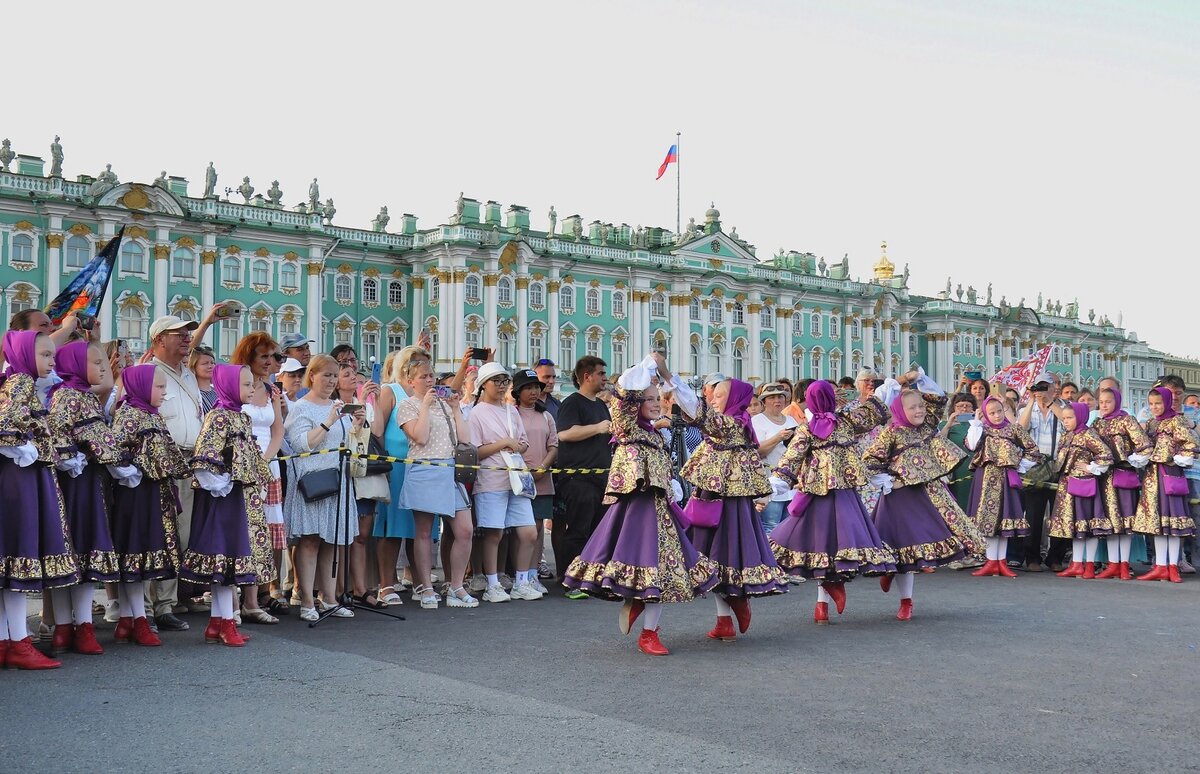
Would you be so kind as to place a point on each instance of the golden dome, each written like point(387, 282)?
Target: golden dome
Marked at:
point(884, 269)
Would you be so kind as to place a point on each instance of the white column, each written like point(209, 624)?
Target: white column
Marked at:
point(315, 307)
point(489, 312)
point(523, 322)
point(53, 264)
point(847, 346)
point(886, 332)
point(1125, 370)
point(905, 351)
point(554, 333)
point(635, 324)
point(705, 366)
point(208, 278)
point(458, 316)
point(727, 359)
point(679, 333)
point(989, 352)
point(107, 322)
point(755, 365)
point(162, 268)
point(868, 329)
point(644, 311)
point(418, 306)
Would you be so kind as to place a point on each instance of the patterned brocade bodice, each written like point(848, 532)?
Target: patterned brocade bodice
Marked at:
point(1124, 436)
point(1171, 437)
point(817, 466)
point(23, 420)
point(76, 416)
point(1079, 449)
point(226, 445)
point(914, 455)
point(640, 459)
point(727, 461)
point(1005, 447)
point(143, 440)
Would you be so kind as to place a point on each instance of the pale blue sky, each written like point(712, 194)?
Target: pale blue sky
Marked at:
point(1042, 146)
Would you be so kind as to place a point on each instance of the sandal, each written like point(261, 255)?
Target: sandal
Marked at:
point(368, 600)
point(388, 596)
point(279, 605)
point(258, 616)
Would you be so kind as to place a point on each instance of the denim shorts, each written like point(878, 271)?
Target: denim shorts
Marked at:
point(499, 510)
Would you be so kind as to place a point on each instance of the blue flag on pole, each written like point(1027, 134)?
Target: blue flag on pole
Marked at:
point(85, 293)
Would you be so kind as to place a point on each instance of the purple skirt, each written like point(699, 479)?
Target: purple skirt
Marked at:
point(1090, 517)
point(1176, 518)
point(87, 515)
point(997, 512)
point(910, 524)
point(35, 541)
point(144, 530)
point(833, 537)
point(746, 567)
point(639, 551)
point(219, 546)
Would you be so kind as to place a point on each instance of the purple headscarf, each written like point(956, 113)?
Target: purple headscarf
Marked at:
point(821, 400)
point(70, 363)
point(1082, 413)
point(138, 382)
point(20, 352)
point(740, 395)
point(1116, 412)
point(227, 381)
point(899, 418)
point(1168, 399)
point(988, 422)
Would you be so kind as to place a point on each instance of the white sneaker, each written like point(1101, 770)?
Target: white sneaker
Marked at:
point(525, 591)
point(112, 611)
point(1186, 568)
point(466, 600)
point(537, 584)
point(496, 593)
point(478, 583)
point(506, 581)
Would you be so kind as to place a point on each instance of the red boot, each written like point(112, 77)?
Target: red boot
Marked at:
point(821, 614)
point(1074, 570)
point(1003, 570)
point(836, 592)
point(905, 613)
point(1126, 573)
point(212, 633)
point(85, 641)
point(22, 655)
point(1158, 573)
point(1113, 570)
point(885, 582)
point(1089, 571)
point(741, 609)
point(230, 635)
point(723, 630)
point(629, 613)
point(64, 635)
point(649, 643)
point(124, 630)
point(142, 634)
point(988, 569)
point(1173, 574)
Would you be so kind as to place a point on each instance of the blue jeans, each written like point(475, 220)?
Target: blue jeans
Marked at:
point(775, 512)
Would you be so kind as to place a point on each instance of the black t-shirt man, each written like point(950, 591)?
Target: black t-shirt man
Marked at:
point(594, 452)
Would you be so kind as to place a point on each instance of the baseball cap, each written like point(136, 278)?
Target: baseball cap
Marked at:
point(486, 372)
point(522, 378)
point(170, 322)
point(1044, 376)
point(290, 365)
point(294, 340)
point(774, 388)
point(715, 378)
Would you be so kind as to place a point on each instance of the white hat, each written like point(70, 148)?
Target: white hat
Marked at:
point(1044, 376)
point(289, 365)
point(168, 323)
point(488, 371)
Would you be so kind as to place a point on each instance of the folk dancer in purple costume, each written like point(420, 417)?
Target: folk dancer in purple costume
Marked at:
point(639, 552)
point(1121, 485)
point(1078, 512)
point(1003, 451)
point(1163, 509)
point(916, 515)
point(828, 534)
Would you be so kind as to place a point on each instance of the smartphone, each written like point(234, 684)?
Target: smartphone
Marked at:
point(964, 419)
point(443, 391)
point(479, 353)
point(350, 408)
point(377, 373)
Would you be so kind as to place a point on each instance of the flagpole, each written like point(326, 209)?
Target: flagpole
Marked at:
point(678, 157)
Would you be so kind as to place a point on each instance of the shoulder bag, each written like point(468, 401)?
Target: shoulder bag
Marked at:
point(466, 456)
point(322, 484)
point(520, 480)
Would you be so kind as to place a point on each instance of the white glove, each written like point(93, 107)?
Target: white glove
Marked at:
point(779, 487)
point(887, 392)
point(676, 491)
point(974, 434)
point(1184, 461)
point(218, 484)
point(883, 482)
point(1096, 469)
point(24, 455)
point(126, 475)
point(1138, 460)
point(73, 466)
point(927, 385)
point(1024, 466)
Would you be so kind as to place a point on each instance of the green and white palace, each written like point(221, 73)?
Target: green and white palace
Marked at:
point(483, 275)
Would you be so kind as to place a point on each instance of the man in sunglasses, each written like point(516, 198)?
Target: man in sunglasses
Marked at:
point(547, 374)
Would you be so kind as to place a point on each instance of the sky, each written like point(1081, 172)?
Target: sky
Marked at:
point(1046, 147)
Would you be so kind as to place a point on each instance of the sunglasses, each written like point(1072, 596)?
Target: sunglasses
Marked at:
point(277, 357)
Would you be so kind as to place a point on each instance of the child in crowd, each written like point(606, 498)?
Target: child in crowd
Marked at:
point(1163, 509)
point(1121, 485)
point(1078, 512)
point(1003, 451)
point(639, 551)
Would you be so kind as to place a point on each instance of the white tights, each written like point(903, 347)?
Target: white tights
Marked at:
point(651, 615)
point(997, 548)
point(131, 600)
point(904, 584)
point(222, 604)
point(1167, 549)
point(823, 595)
point(1084, 549)
point(73, 604)
point(15, 609)
point(1119, 547)
point(723, 607)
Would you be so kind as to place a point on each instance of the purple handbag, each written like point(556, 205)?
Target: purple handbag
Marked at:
point(1081, 487)
point(1174, 486)
point(1014, 479)
point(1125, 479)
point(703, 513)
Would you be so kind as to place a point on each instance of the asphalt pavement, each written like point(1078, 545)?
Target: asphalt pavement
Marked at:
point(1037, 673)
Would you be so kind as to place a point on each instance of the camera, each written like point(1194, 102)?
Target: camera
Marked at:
point(1039, 387)
point(442, 391)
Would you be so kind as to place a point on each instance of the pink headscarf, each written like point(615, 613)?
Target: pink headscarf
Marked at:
point(899, 418)
point(740, 395)
point(821, 400)
point(1168, 399)
point(70, 363)
point(1116, 412)
point(227, 381)
point(138, 382)
point(988, 422)
point(1082, 413)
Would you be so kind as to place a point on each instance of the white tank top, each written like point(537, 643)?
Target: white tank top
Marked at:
point(261, 419)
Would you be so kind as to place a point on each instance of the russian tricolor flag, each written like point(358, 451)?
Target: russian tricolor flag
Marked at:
point(672, 157)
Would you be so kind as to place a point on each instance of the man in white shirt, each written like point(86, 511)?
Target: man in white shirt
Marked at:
point(182, 411)
point(774, 430)
point(1040, 418)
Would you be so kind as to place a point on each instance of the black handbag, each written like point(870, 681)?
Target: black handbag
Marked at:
point(466, 456)
point(377, 467)
point(319, 484)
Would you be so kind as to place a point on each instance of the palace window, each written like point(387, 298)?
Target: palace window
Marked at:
point(566, 348)
point(835, 364)
point(260, 324)
point(694, 349)
point(260, 273)
point(537, 347)
point(592, 346)
point(658, 305)
point(473, 331)
point(815, 365)
point(231, 270)
point(79, 252)
point(835, 326)
point(471, 288)
point(343, 335)
point(435, 289)
point(343, 289)
point(231, 334)
point(694, 309)
point(183, 264)
point(289, 275)
point(856, 329)
point(618, 304)
point(739, 313)
point(766, 318)
point(566, 299)
point(592, 300)
point(797, 323)
point(396, 341)
point(504, 291)
point(131, 323)
point(739, 361)
point(814, 326)
point(505, 351)
point(287, 326)
point(396, 293)
point(797, 365)
point(133, 256)
point(768, 362)
point(716, 312)
point(22, 250)
point(537, 295)
point(370, 347)
point(370, 291)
